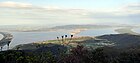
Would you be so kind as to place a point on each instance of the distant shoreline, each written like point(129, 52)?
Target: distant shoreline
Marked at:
point(5, 39)
point(126, 30)
point(77, 31)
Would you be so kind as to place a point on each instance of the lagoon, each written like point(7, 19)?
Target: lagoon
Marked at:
point(97, 32)
point(30, 37)
point(137, 30)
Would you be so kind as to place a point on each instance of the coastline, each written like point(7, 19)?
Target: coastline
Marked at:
point(7, 37)
point(77, 31)
point(126, 30)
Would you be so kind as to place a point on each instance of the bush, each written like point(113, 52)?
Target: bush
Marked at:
point(79, 54)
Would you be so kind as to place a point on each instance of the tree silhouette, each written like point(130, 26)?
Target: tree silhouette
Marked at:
point(18, 48)
point(58, 40)
point(71, 36)
point(1, 48)
point(62, 40)
point(8, 44)
point(66, 36)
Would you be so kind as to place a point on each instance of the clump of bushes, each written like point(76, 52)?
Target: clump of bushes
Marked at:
point(79, 54)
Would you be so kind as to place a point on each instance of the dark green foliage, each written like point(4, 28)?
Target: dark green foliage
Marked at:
point(130, 56)
point(26, 57)
point(46, 57)
point(79, 54)
point(102, 55)
point(16, 57)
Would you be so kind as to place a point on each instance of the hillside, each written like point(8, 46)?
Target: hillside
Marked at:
point(122, 40)
point(112, 40)
point(120, 48)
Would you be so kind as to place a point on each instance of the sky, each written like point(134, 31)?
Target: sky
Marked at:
point(64, 12)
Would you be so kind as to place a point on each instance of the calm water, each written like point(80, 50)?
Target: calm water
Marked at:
point(137, 30)
point(1, 36)
point(29, 37)
point(97, 32)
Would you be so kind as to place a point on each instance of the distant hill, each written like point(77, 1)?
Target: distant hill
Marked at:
point(122, 40)
point(30, 28)
point(81, 26)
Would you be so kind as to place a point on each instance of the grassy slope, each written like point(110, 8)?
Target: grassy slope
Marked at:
point(119, 40)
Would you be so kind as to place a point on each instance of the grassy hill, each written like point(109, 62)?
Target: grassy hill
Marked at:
point(112, 40)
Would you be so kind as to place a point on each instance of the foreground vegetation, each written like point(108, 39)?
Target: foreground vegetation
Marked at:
point(113, 48)
point(79, 54)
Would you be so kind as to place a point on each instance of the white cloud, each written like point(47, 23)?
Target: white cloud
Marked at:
point(11, 4)
point(132, 8)
point(22, 13)
point(29, 14)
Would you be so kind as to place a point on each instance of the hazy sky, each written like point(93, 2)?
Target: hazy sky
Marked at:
point(60, 12)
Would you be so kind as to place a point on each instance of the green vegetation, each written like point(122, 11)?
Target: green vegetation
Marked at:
point(113, 48)
point(79, 54)
point(14, 56)
point(112, 40)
